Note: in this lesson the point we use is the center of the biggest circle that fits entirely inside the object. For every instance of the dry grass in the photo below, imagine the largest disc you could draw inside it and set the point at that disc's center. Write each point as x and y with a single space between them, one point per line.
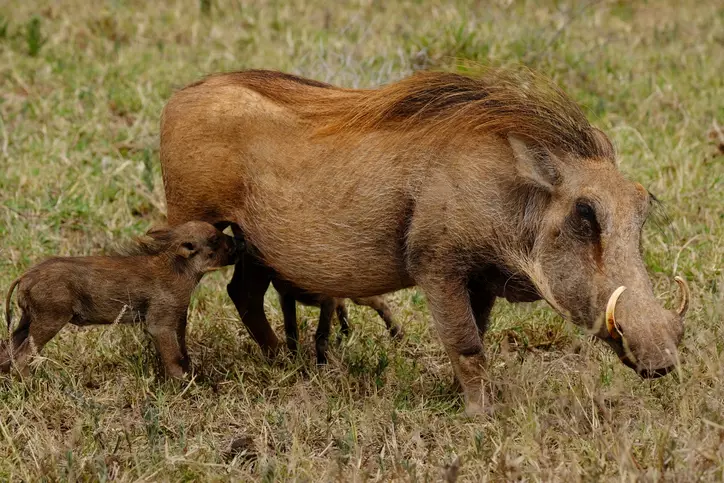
81 89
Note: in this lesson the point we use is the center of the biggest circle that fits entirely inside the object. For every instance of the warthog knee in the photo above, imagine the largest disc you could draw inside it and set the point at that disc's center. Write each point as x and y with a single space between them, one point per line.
471 349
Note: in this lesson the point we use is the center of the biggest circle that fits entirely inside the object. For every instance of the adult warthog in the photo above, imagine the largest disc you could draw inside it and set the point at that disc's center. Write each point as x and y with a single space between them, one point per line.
470 187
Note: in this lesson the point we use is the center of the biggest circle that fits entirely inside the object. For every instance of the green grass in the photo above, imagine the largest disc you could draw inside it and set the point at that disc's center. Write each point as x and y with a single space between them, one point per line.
82 85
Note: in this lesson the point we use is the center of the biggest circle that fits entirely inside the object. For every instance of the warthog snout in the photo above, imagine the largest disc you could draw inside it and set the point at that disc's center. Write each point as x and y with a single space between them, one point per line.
646 373
649 348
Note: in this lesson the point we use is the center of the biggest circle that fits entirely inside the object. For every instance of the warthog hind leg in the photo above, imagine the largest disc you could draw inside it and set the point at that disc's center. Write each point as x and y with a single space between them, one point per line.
29 338
321 338
289 311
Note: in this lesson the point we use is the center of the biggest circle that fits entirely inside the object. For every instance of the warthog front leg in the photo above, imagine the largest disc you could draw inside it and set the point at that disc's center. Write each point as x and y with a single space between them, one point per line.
246 289
450 306
164 327
181 339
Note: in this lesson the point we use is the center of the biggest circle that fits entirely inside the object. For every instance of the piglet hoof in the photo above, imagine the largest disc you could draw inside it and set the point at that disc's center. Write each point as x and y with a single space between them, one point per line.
320 348
197 376
292 346
396 332
20 373
271 350
175 372
7 364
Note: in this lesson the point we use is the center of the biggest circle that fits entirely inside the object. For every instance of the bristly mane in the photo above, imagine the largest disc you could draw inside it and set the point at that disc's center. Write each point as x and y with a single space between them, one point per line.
156 241
437 104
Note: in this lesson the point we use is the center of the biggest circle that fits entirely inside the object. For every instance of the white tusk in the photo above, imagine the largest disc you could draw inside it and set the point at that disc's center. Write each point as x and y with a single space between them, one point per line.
684 305
611 324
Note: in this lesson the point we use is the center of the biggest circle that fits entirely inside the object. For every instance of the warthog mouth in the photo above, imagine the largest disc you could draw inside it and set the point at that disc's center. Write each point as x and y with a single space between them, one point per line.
645 373
616 333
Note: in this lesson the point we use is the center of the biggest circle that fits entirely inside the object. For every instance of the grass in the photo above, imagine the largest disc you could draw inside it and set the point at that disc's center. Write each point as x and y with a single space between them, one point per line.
81 88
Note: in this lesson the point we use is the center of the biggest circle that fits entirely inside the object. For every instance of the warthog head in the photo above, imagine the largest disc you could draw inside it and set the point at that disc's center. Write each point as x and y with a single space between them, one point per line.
586 258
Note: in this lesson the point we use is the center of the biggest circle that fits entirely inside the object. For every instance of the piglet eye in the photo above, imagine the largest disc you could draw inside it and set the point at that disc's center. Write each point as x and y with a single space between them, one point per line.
585 211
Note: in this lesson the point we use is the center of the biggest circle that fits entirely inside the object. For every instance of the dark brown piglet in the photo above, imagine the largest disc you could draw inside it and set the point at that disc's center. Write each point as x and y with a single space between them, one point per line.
153 284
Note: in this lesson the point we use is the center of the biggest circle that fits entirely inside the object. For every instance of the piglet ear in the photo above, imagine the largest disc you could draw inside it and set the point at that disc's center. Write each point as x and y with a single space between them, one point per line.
537 166
186 250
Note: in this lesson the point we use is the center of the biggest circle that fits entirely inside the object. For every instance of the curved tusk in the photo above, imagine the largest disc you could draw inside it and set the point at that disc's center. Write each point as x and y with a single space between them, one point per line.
684 305
611 324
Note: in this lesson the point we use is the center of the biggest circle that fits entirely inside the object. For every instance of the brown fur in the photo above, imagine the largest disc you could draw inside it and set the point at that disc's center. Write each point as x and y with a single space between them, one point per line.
436 105
153 284
470 187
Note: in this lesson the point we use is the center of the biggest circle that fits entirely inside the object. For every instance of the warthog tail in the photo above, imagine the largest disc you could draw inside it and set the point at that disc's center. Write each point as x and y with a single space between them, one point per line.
8 303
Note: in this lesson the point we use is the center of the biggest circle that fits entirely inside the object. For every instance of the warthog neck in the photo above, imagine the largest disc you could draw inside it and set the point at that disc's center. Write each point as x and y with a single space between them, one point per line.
503 283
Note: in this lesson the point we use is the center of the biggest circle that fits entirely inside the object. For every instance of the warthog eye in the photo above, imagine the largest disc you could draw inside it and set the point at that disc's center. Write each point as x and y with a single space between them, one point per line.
585 211
584 221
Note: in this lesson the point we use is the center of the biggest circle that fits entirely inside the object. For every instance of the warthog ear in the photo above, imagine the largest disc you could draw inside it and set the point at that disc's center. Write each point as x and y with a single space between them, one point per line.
535 165
186 250
605 146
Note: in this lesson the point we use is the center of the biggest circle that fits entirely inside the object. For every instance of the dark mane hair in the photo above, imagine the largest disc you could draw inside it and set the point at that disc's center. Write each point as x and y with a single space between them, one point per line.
155 241
438 104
